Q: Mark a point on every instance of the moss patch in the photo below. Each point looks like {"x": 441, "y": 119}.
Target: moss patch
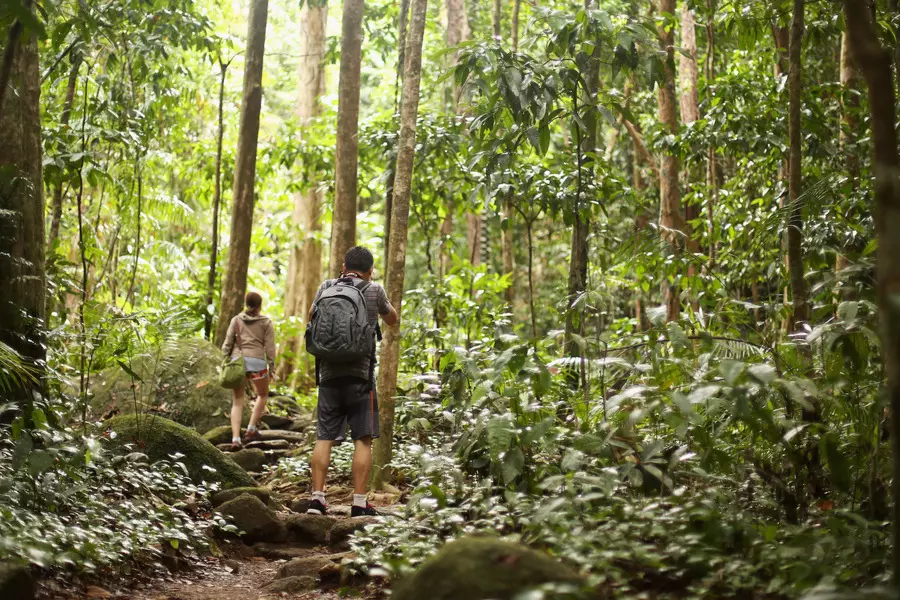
{"x": 225, "y": 495}
{"x": 160, "y": 438}
{"x": 180, "y": 384}
{"x": 478, "y": 568}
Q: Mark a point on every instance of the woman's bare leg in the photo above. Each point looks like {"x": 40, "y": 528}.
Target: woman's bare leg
{"x": 237, "y": 411}
{"x": 259, "y": 409}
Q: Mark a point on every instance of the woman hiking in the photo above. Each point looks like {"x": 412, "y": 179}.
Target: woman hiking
{"x": 252, "y": 335}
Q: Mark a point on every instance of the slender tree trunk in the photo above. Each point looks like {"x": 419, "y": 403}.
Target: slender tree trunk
{"x": 56, "y": 208}
{"x": 137, "y": 243}
{"x": 688, "y": 73}
{"x": 849, "y": 128}
{"x": 507, "y": 250}
{"x": 22, "y": 241}
{"x": 712, "y": 177}
{"x": 243, "y": 198}
{"x": 396, "y": 268}
{"x": 875, "y": 63}
{"x": 496, "y": 18}
{"x": 305, "y": 269}
{"x": 457, "y": 32}
{"x": 217, "y": 200}
{"x": 671, "y": 218}
{"x": 800, "y": 311}
{"x": 343, "y": 221}
{"x": 578, "y": 261}
{"x": 514, "y": 31}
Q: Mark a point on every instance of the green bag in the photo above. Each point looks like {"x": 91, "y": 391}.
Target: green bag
{"x": 232, "y": 374}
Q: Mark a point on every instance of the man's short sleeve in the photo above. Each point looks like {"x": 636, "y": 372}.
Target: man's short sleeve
{"x": 384, "y": 305}
{"x": 322, "y": 286}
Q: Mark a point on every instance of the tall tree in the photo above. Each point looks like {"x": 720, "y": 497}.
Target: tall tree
{"x": 22, "y": 242}
{"x": 800, "y": 310}
{"x": 343, "y": 221}
{"x": 217, "y": 202}
{"x": 587, "y": 145}
{"x": 243, "y": 198}
{"x": 57, "y": 205}
{"x": 688, "y": 75}
{"x": 849, "y": 128}
{"x": 670, "y": 217}
{"x": 457, "y": 33}
{"x": 305, "y": 269}
{"x": 507, "y": 251}
{"x": 396, "y": 267}
{"x": 875, "y": 63}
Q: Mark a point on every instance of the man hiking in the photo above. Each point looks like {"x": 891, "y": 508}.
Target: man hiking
{"x": 341, "y": 330}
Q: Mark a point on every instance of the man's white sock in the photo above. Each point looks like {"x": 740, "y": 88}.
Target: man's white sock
{"x": 320, "y": 496}
{"x": 359, "y": 500}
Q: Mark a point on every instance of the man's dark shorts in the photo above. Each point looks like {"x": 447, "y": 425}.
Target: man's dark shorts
{"x": 347, "y": 401}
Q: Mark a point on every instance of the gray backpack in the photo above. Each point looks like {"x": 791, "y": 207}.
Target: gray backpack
{"x": 339, "y": 330}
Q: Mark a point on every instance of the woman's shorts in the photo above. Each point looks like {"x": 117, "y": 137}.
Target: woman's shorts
{"x": 256, "y": 368}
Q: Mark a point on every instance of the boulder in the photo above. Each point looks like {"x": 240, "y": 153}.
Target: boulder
{"x": 308, "y": 566}
{"x": 291, "y": 585}
{"x": 269, "y": 444}
{"x": 224, "y": 496}
{"x": 220, "y": 435}
{"x": 250, "y": 459}
{"x": 16, "y": 582}
{"x": 310, "y": 529}
{"x": 161, "y": 438}
{"x": 281, "y": 551}
{"x": 180, "y": 384}
{"x": 255, "y": 519}
{"x": 342, "y": 530}
{"x": 300, "y": 504}
{"x": 478, "y": 568}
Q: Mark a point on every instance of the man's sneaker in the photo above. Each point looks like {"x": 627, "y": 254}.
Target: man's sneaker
{"x": 316, "y": 508}
{"x": 250, "y": 435}
{"x": 363, "y": 511}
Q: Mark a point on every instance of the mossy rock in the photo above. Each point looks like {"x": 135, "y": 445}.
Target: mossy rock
{"x": 291, "y": 585}
{"x": 219, "y": 435}
{"x": 250, "y": 459}
{"x": 160, "y": 438}
{"x": 224, "y": 496}
{"x": 16, "y": 582}
{"x": 257, "y": 521}
{"x": 180, "y": 383}
{"x": 478, "y": 568}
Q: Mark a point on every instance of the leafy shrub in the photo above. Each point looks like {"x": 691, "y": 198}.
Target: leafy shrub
{"x": 68, "y": 502}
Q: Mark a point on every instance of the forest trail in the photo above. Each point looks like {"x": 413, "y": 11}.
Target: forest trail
{"x": 305, "y": 564}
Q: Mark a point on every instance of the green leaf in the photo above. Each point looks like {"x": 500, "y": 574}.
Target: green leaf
{"x": 537, "y": 432}
{"x": 39, "y": 417}
{"x": 513, "y": 465}
{"x": 39, "y": 462}
{"x": 545, "y": 140}
{"x": 129, "y": 371}
{"x": 21, "y": 452}
{"x": 500, "y": 435}
{"x": 731, "y": 370}
{"x": 763, "y": 373}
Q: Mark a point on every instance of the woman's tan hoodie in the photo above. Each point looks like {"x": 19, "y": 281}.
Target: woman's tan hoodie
{"x": 257, "y": 337}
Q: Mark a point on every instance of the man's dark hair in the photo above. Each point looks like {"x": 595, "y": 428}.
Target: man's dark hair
{"x": 358, "y": 259}
{"x": 253, "y": 302}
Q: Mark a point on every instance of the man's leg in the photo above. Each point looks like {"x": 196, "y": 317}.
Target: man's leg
{"x": 321, "y": 459}
{"x": 362, "y": 464}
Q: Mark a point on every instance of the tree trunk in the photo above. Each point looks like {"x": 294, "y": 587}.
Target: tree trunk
{"x": 688, "y": 74}
{"x": 22, "y": 241}
{"x": 508, "y": 251}
{"x": 217, "y": 200}
{"x": 396, "y": 267}
{"x": 670, "y": 202}
{"x": 800, "y": 312}
{"x": 343, "y": 221}
{"x": 496, "y": 17}
{"x": 712, "y": 177}
{"x": 849, "y": 127}
{"x": 473, "y": 230}
{"x": 8, "y": 60}
{"x": 305, "y": 268}
{"x": 514, "y": 31}
{"x": 457, "y": 32}
{"x": 578, "y": 260}
{"x": 243, "y": 198}
{"x": 56, "y": 208}
{"x": 875, "y": 63}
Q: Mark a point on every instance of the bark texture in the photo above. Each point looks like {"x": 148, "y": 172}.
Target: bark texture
{"x": 396, "y": 267}
{"x": 800, "y": 309}
{"x": 849, "y": 131}
{"x": 22, "y": 242}
{"x": 670, "y": 217}
{"x": 688, "y": 74}
{"x": 217, "y": 202}
{"x": 305, "y": 269}
{"x": 235, "y": 284}
{"x": 875, "y": 63}
{"x": 343, "y": 221}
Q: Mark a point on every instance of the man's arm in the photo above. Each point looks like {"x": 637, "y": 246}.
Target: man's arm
{"x": 386, "y": 310}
